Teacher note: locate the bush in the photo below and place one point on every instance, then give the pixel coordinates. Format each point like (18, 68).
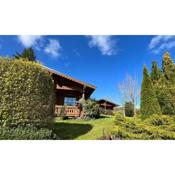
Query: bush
(91, 108)
(26, 94)
(161, 120)
(153, 127)
(129, 109)
(119, 118)
(26, 133)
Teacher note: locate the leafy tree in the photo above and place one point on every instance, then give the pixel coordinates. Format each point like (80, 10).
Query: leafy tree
(27, 53)
(149, 102)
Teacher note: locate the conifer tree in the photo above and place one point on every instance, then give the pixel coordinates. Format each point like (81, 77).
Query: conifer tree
(167, 93)
(168, 68)
(158, 82)
(155, 72)
(149, 102)
(27, 53)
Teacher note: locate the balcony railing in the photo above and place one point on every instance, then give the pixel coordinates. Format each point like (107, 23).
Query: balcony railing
(70, 111)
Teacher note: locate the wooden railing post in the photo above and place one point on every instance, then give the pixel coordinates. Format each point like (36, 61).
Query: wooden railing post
(71, 111)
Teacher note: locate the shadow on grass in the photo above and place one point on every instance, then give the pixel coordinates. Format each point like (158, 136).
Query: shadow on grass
(70, 131)
(103, 116)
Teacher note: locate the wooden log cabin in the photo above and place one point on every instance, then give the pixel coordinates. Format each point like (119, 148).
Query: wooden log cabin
(68, 92)
(106, 104)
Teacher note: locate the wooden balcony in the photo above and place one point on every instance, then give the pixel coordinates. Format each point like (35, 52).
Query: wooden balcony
(70, 111)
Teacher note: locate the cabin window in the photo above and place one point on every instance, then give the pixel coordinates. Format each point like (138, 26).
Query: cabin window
(69, 101)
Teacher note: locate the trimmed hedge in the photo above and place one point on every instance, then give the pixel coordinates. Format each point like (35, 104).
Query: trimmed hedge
(26, 133)
(26, 94)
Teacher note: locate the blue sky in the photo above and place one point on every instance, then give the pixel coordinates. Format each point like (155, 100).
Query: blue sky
(102, 61)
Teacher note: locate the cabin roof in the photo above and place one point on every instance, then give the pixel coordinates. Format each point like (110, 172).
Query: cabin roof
(69, 78)
(110, 102)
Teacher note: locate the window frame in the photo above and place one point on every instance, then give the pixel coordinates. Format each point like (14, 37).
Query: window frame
(68, 100)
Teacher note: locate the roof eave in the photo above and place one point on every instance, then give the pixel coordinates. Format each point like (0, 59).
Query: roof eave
(70, 78)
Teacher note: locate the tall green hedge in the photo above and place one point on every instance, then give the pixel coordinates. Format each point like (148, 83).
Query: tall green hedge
(27, 133)
(26, 94)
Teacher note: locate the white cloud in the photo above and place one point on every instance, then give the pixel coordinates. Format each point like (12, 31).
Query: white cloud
(29, 40)
(161, 42)
(50, 46)
(53, 48)
(104, 43)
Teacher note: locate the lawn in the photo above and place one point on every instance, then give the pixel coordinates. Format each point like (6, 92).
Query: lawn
(83, 129)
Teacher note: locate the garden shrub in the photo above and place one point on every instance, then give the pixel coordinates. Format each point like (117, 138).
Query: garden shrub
(27, 133)
(119, 133)
(153, 127)
(161, 120)
(129, 109)
(91, 108)
(119, 118)
(129, 124)
(26, 94)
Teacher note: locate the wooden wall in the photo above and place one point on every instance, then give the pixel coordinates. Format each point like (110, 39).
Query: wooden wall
(60, 94)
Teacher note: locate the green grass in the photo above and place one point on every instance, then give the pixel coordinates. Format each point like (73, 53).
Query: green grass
(83, 129)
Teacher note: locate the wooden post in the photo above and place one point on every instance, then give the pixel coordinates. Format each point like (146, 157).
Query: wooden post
(105, 106)
(83, 95)
(82, 98)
